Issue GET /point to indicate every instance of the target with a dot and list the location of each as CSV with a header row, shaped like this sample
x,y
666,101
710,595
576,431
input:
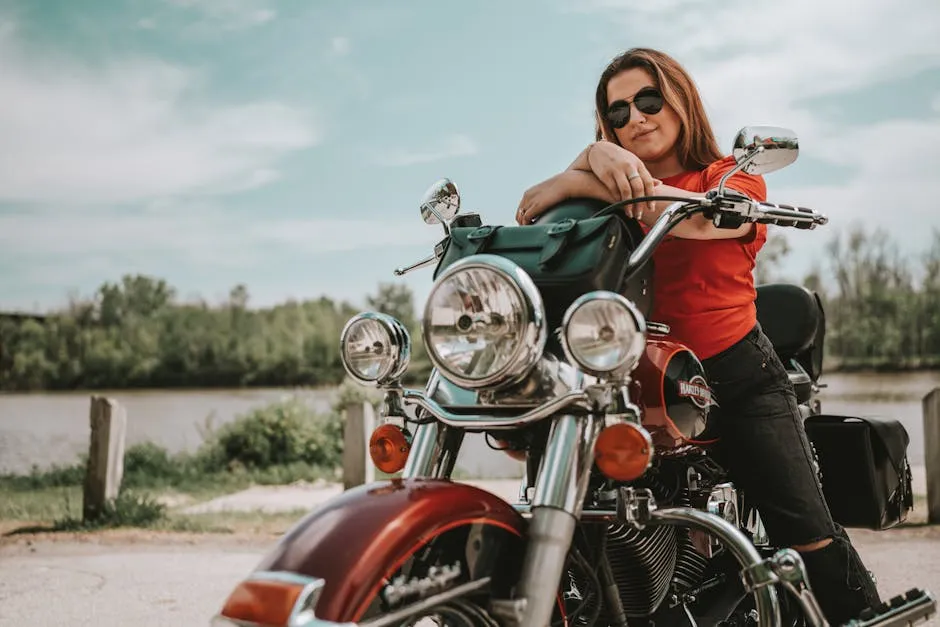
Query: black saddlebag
x,y
866,475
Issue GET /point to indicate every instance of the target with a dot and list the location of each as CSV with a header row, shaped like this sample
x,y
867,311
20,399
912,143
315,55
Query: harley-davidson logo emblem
x,y
696,390
437,579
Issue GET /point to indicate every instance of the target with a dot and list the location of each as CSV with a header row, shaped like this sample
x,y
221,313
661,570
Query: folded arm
x,y
578,183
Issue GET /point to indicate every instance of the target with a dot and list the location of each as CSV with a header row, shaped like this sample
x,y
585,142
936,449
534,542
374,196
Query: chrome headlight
x,y
484,323
375,348
604,334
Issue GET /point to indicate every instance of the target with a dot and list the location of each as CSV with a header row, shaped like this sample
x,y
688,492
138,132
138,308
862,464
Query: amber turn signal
x,y
389,448
262,602
623,451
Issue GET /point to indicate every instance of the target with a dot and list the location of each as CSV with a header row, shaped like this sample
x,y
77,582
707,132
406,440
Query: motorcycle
x,y
539,339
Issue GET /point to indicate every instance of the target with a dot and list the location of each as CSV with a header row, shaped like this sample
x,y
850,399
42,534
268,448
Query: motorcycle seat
x,y
792,318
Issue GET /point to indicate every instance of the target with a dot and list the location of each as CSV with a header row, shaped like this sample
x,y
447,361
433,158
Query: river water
x,y
52,428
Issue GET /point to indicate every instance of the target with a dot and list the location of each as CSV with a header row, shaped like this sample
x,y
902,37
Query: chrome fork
x,y
560,488
434,451
562,483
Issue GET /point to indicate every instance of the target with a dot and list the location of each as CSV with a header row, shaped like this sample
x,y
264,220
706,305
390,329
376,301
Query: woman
x,y
655,138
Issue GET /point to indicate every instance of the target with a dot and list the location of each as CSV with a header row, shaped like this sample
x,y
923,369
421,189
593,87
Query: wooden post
x,y
358,426
932,454
105,468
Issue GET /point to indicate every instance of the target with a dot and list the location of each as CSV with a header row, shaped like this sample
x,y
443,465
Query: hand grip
x,y
788,215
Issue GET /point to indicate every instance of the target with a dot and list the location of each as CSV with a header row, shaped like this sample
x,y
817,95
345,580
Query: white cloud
x,y
198,232
340,46
758,62
54,251
135,129
230,14
759,59
454,146
894,188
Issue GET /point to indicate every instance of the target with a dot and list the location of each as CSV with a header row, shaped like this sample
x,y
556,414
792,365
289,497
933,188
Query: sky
x,y
286,144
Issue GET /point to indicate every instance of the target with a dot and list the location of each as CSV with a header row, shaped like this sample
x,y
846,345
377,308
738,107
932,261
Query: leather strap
x,y
558,235
480,238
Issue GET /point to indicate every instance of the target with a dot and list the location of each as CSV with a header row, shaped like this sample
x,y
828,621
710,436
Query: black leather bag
x,y
866,475
565,259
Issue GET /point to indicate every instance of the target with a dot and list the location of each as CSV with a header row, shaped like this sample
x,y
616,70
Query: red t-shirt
x,y
704,289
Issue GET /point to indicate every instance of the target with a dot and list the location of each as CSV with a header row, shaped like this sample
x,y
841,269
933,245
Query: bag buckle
x,y
557,241
563,227
481,237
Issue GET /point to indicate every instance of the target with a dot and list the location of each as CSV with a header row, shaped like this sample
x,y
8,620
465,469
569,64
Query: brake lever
x,y
728,200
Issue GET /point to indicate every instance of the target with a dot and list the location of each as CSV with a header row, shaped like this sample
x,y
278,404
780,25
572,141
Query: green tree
x,y
396,300
770,258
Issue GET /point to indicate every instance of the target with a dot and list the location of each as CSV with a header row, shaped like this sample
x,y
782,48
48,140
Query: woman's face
x,y
650,136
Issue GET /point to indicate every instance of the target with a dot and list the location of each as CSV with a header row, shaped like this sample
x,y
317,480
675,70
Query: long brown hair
x,y
696,146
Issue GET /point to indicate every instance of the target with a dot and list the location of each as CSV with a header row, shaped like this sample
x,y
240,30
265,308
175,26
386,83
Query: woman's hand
x,y
540,197
623,173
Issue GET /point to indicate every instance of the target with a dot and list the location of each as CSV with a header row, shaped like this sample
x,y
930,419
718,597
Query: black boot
x,y
839,580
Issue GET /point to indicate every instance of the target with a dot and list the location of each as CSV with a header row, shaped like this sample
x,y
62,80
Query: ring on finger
x,y
635,175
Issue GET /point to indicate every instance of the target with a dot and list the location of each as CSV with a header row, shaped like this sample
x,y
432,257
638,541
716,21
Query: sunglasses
x,y
648,101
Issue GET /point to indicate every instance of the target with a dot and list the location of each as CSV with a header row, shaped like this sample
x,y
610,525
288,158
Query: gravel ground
x,y
148,579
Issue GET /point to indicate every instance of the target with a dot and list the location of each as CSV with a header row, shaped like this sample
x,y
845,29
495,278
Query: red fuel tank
x,y
670,385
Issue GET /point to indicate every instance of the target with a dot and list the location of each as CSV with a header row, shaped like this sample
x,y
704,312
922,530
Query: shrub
x,y
127,510
279,434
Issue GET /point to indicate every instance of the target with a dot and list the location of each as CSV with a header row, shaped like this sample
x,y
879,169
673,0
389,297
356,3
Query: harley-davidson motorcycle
x,y
539,340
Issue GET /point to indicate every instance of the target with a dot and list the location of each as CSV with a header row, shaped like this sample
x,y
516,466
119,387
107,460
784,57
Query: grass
x,y
153,501
279,444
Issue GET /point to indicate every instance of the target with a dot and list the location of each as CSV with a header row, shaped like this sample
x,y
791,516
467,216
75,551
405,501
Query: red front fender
x,y
357,540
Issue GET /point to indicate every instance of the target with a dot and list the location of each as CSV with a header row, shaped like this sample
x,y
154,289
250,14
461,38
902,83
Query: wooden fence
x,y
108,421
932,454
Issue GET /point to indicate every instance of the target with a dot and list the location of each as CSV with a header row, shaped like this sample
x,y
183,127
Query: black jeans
x,y
768,455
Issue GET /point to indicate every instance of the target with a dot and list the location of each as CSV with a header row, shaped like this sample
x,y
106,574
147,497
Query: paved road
x,y
163,581
151,585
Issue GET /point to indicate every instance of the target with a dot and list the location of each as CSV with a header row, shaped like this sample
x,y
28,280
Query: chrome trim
x,y
399,344
768,606
424,604
550,533
303,613
425,452
529,345
550,377
637,344
778,147
427,261
563,478
566,464
790,570
670,217
578,398
440,203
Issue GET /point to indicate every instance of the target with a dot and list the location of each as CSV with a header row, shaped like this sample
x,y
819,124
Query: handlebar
x,y
728,210
728,207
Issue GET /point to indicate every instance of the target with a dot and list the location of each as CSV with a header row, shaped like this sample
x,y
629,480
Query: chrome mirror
x,y
763,149
441,203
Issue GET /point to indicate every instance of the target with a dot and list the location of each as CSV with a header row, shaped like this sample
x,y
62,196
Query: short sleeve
x,y
753,186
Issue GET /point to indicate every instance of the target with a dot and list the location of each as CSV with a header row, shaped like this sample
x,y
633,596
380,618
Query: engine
x,y
659,565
